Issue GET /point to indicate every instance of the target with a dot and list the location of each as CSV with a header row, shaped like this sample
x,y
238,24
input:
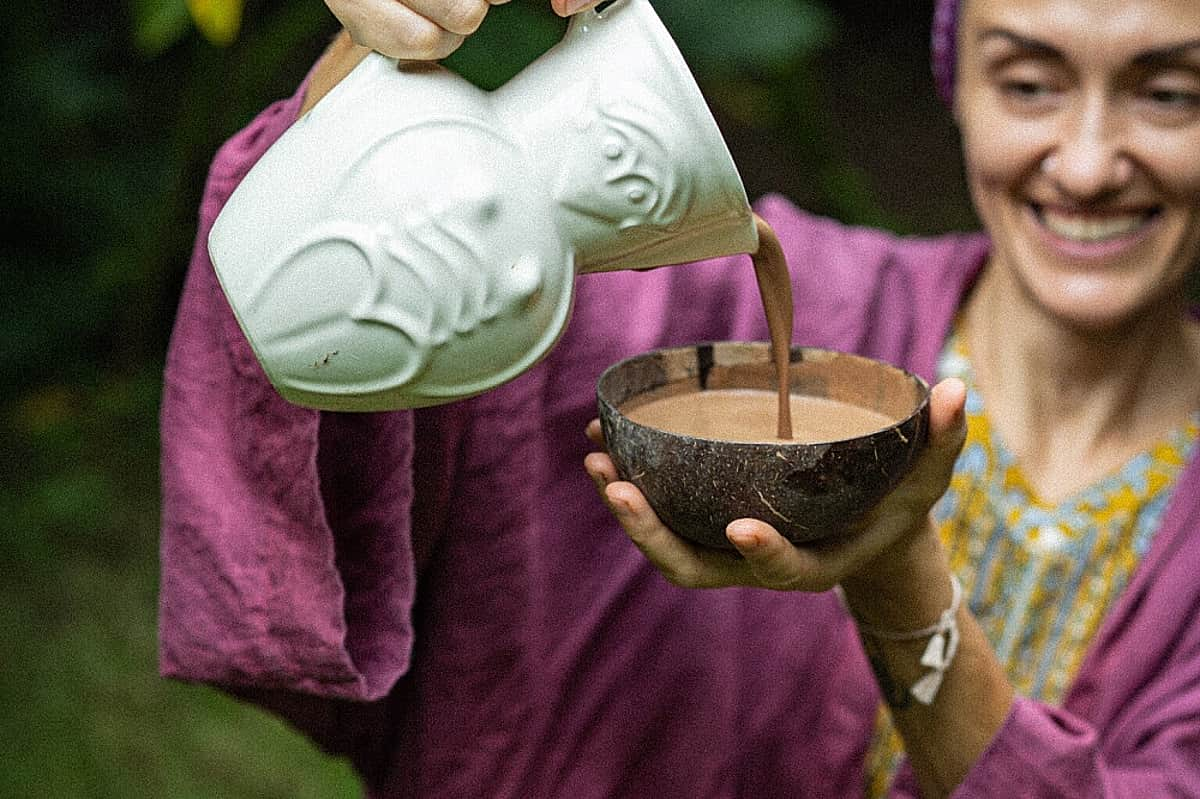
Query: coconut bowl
x,y
808,490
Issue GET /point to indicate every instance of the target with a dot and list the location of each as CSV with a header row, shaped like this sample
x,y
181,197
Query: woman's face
x,y
1081,131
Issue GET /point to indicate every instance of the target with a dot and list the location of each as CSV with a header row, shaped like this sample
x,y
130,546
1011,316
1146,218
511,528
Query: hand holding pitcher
x,y
422,30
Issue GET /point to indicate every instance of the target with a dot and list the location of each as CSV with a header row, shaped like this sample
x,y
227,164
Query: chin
x,y
1093,303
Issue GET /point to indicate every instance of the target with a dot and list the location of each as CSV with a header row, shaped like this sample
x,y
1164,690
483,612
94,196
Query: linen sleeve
x,y
1130,728
1043,751
286,552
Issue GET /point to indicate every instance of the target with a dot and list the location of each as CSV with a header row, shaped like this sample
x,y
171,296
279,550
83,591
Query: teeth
x,y
1091,229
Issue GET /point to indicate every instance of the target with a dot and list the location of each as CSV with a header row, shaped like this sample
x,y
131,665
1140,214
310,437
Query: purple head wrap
x,y
945,27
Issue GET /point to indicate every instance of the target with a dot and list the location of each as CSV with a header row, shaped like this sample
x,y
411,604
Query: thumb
x,y
947,423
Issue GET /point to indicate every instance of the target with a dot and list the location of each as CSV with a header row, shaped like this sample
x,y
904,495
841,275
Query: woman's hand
x,y
421,30
892,535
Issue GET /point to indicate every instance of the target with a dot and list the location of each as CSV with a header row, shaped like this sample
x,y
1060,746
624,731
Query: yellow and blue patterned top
x,y
1038,576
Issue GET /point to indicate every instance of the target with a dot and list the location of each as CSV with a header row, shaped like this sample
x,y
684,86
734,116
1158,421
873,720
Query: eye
x,y
1175,98
1025,98
1026,90
637,191
1029,83
1171,100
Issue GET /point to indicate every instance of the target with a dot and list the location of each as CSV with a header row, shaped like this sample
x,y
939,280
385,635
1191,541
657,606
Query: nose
x,y
1090,161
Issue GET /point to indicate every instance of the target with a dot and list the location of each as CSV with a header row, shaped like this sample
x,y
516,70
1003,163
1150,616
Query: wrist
x,y
906,608
904,587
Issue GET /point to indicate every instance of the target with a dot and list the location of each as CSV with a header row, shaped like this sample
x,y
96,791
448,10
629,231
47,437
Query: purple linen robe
x,y
440,596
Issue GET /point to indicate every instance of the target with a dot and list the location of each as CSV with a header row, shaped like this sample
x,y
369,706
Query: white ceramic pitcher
x,y
414,239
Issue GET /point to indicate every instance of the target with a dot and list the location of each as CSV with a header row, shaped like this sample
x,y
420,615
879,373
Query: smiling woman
x,y
1082,126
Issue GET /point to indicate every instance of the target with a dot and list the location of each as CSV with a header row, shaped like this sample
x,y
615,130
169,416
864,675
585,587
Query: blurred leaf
x,y
61,85
750,102
71,500
218,20
720,39
45,408
852,197
158,24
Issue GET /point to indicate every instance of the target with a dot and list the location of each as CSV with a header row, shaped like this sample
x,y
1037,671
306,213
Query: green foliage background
x,y
111,113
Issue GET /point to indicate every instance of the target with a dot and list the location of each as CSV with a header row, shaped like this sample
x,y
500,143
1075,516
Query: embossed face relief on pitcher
x,y
625,175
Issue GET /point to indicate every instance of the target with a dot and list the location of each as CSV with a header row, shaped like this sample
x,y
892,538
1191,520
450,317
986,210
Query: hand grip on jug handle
x,y
348,49
565,8
422,30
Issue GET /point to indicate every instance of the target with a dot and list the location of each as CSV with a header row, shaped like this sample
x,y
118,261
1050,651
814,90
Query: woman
x,y
432,593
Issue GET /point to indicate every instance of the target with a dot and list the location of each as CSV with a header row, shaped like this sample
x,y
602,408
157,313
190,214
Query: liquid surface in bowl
x,y
750,415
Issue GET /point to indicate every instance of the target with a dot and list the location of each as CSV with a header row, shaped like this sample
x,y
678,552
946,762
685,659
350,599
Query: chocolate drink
x,y
747,414
775,287
750,415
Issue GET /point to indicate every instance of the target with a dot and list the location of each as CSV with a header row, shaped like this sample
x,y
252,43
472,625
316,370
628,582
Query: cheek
x,y
1175,165
1172,163
995,169
1189,254
998,154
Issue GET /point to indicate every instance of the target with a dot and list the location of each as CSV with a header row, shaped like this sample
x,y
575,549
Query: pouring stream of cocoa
x,y
775,286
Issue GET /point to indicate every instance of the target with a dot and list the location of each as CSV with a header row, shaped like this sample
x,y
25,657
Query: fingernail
x,y
573,6
619,506
742,539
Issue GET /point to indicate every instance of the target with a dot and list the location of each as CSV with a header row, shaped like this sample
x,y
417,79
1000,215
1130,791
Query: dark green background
x,y
111,112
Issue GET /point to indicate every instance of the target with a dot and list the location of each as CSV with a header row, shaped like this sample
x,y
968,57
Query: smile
x,y
1091,228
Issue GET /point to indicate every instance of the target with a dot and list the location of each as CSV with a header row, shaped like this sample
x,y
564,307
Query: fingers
x,y
601,469
774,561
820,566
904,513
683,563
454,16
565,8
595,433
414,30
641,523
680,561
399,32
930,476
422,30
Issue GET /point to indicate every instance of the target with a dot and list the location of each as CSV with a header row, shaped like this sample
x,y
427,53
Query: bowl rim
x,y
926,392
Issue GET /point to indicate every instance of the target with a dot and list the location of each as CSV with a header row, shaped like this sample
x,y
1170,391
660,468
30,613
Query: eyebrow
x,y
1166,55
1034,46
1146,58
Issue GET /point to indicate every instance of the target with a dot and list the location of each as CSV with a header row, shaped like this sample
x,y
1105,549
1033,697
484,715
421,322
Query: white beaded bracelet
x,y
939,652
